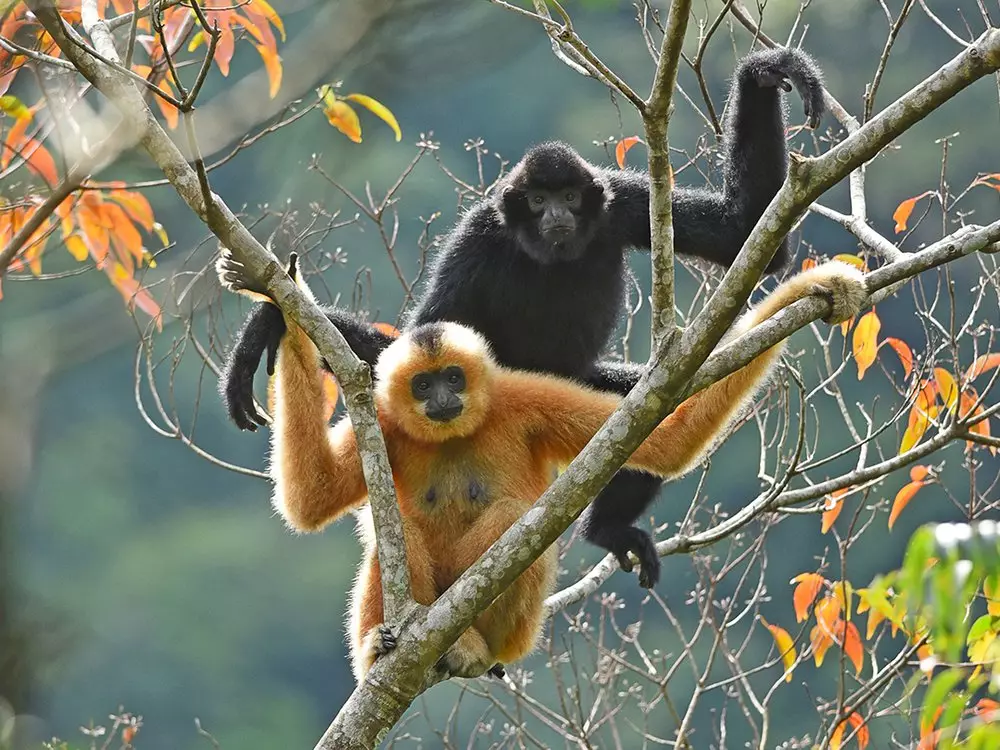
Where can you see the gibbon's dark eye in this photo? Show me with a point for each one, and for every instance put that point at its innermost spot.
(570, 196)
(453, 378)
(539, 199)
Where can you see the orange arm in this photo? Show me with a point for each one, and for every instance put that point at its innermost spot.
(316, 469)
(565, 416)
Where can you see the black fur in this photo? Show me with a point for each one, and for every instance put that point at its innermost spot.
(553, 307)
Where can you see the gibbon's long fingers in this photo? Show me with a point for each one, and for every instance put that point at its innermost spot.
(685, 436)
(317, 471)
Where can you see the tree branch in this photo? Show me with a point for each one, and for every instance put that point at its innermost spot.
(656, 121)
(353, 376)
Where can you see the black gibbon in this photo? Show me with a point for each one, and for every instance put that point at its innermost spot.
(472, 445)
(539, 268)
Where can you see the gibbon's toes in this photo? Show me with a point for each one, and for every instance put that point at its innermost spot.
(384, 640)
(640, 544)
(498, 671)
(624, 561)
(844, 286)
(457, 662)
(769, 79)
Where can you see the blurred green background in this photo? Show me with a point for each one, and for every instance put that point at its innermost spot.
(141, 574)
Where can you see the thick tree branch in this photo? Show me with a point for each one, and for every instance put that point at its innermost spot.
(353, 376)
(656, 120)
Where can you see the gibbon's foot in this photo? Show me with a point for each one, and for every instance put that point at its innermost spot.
(843, 285)
(379, 641)
(234, 276)
(384, 640)
(620, 540)
(498, 671)
(786, 67)
(469, 656)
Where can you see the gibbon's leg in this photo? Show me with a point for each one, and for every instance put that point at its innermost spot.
(608, 521)
(512, 623)
(370, 636)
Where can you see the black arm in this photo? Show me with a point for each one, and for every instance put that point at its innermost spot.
(262, 331)
(715, 224)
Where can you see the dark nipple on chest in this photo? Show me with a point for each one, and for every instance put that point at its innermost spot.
(431, 496)
(476, 491)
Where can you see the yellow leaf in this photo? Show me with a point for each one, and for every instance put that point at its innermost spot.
(903, 498)
(865, 344)
(828, 613)
(272, 64)
(947, 387)
(991, 591)
(786, 647)
(269, 13)
(77, 248)
(622, 148)
(875, 616)
(344, 119)
(809, 585)
(161, 233)
(844, 593)
(853, 260)
(904, 209)
(14, 107)
(197, 39)
(903, 351)
(379, 110)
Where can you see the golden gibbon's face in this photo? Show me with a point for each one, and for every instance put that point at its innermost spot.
(434, 381)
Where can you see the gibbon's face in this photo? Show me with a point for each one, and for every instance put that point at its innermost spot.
(440, 392)
(434, 381)
(555, 203)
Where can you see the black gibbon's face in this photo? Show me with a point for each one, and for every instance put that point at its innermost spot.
(555, 212)
(439, 392)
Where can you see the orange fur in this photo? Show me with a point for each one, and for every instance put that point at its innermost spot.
(461, 484)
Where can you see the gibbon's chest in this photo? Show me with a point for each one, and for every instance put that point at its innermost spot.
(556, 317)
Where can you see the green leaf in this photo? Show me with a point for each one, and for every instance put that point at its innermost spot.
(14, 107)
(980, 627)
(940, 687)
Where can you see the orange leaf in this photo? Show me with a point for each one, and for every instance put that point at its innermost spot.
(837, 738)
(865, 343)
(828, 613)
(786, 647)
(387, 329)
(269, 13)
(331, 392)
(40, 161)
(832, 505)
(857, 723)
(903, 351)
(134, 294)
(919, 473)
(820, 641)
(852, 260)
(986, 706)
(809, 263)
(136, 206)
(622, 148)
(947, 387)
(809, 585)
(903, 498)
(272, 64)
(227, 42)
(850, 641)
(904, 209)
(344, 119)
(982, 364)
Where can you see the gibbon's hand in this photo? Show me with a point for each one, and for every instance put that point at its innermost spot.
(786, 67)
(262, 331)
